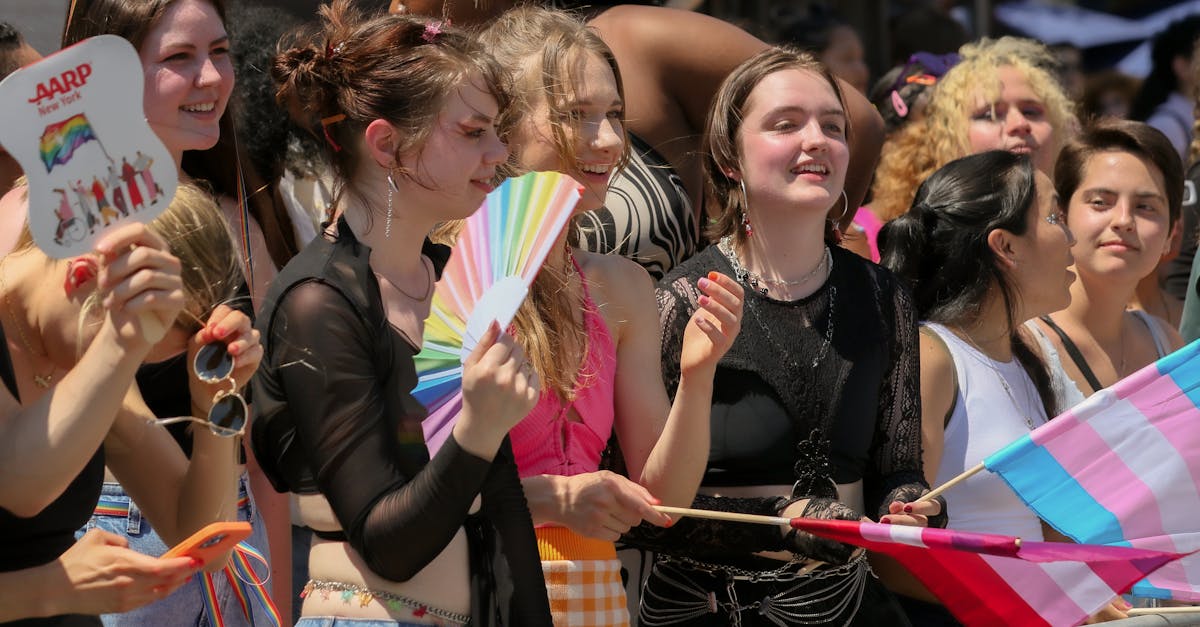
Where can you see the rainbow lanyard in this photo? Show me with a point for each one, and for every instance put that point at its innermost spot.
(245, 583)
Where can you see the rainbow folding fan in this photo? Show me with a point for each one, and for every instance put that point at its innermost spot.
(498, 253)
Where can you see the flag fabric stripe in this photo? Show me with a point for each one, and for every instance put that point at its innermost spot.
(959, 578)
(1037, 477)
(1174, 414)
(1036, 586)
(1119, 487)
(894, 533)
(1082, 586)
(985, 580)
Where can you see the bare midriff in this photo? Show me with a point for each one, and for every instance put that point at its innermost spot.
(442, 584)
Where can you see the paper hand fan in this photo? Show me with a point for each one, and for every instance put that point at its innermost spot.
(497, 255)
(74, 122)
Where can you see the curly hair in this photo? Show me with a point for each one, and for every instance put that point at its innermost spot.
(917, 150)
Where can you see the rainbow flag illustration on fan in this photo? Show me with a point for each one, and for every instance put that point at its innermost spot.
(989, 580)
(498, 253)
(1122, 468)
(60, 140)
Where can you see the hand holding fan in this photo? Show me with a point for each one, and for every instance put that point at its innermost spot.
(498, 253)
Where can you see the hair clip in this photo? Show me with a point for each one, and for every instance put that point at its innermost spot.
(325, 123)
(899, 105)
(433, 29)
(332, 50)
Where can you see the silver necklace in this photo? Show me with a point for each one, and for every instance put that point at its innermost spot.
(1012, 397)
(742, 275)
(760, 283)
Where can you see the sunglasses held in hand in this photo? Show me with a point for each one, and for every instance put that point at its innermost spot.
(227, 416)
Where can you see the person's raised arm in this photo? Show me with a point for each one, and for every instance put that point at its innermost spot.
(672, 63)
(47, 443)
(665, 443)
(181, 495)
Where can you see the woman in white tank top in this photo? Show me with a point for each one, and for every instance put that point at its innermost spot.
(984, 248)
(1120, 184)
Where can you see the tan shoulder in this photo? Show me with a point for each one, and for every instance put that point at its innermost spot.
(617, 284)
(935, 356)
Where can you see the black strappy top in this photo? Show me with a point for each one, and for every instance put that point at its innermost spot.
(29, 542)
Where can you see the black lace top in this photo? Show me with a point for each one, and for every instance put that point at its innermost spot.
(334, 414)
(798, 402)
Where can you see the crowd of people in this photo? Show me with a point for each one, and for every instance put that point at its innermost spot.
(782, 292)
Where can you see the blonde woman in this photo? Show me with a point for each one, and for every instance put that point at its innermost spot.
(69, 409)
(1001, 96)
(591, 331)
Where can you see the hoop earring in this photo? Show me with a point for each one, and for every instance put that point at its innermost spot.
(387, 225)
(835, 223)
(746, 205)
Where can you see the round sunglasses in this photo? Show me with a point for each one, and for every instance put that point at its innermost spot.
(227, 416)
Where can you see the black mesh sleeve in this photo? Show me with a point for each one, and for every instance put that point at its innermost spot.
(336, 400)
(896, 470)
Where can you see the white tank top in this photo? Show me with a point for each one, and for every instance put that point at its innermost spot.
(986, 417)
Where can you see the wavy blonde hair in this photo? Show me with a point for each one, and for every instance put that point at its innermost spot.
(539, 49)
(920, 148)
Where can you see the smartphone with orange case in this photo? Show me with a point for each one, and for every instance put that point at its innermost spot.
(211, 542)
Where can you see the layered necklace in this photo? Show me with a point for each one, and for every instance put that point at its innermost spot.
(760, 283)
(753, 280)
(41, 380)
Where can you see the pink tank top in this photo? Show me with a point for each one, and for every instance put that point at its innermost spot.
(548, 441)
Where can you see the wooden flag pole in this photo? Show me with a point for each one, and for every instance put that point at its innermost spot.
(1143, 611)
(729, 516)
(936, 492)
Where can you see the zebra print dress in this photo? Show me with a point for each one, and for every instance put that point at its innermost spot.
(646, 217)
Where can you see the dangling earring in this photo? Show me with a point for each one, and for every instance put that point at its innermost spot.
(387, 225)
(745, 205)
(835, 223)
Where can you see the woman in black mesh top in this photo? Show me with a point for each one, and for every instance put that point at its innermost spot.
(816, 407)
(408, 108)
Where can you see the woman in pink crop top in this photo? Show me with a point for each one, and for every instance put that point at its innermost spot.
(590, 327)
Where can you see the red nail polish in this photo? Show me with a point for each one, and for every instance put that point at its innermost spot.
(908, 509)
(712, 275)
(885, 521)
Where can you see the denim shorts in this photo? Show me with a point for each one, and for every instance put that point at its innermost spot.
(334, 621)
(185, 606)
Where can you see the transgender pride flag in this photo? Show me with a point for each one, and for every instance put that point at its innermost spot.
(1122, 468)
(60, 140)
(989, 580)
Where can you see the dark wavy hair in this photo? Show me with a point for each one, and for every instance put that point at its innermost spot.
(1177, 40)
(940, 246)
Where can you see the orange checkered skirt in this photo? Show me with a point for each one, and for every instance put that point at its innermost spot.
(583, 579)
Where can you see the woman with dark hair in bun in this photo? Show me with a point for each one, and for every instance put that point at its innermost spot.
(408, 108)
(984, 248)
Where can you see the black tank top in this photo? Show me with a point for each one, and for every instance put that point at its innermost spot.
(28, 542)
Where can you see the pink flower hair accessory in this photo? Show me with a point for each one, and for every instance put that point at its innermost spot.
(433, 29)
